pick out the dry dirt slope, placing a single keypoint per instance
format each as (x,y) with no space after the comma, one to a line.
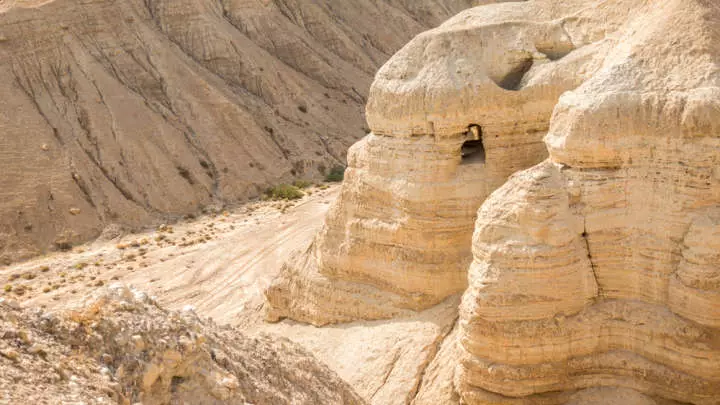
(131,111)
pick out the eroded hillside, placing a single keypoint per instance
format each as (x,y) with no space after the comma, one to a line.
(132,112)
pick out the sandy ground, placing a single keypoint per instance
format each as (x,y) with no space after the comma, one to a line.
(220,264)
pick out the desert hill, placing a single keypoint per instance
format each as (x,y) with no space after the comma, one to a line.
(136,112)
(120,347)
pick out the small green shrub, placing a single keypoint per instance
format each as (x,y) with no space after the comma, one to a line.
(337,174)
(284,192)
(301,184)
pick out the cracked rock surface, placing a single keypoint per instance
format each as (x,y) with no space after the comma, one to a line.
(599,267)
(453,114)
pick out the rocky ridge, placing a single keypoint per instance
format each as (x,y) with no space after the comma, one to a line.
(599,267)
(453,115)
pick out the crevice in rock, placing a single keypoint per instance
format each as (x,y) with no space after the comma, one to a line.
(388,372)
(276,141)
(586,239)
(27,89)
(286,11)
(326,144)
(434,349)
(84,188)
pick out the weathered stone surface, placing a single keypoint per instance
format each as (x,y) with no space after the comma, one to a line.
(398,238)
(385,361)
(134,112)
(594,274)
(599,267)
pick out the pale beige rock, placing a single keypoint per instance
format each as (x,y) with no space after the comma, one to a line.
(398,237)
(137,112)
(599,267)
(385,361)
(594,274)
(437,384)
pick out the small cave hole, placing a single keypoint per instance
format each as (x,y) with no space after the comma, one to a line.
(514,77)
(473,150)
(175,383)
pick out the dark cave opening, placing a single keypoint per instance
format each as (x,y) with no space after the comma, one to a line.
(473,150)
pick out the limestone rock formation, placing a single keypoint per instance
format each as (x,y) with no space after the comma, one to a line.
(133,112)
(453,114)
(594,274)
(600,267)
(119,347)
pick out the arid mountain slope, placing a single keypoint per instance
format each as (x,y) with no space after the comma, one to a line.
(134,111)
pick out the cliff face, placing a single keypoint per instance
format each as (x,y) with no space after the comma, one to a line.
(593,275)
(453,114)
(133,112)
(600,266)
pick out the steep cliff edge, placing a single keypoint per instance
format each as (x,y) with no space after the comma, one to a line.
(133,112)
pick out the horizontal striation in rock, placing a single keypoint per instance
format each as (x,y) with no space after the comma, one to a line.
(448,129)
(598,268)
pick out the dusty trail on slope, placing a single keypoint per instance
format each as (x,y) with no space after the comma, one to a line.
(218,264)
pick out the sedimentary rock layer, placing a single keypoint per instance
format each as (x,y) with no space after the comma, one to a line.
(452,114)
(593,274)
(133,112)
(600,267)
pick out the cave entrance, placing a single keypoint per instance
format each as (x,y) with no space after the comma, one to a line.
(473,150)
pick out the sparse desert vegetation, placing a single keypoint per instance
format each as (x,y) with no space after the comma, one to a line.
(51,280)
(336,174)
(284,192)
